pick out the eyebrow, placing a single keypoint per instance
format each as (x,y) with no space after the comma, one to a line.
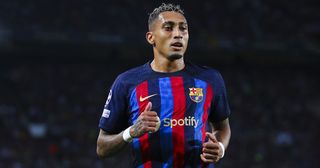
(173,23)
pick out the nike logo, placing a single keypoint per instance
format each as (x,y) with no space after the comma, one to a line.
(141,99)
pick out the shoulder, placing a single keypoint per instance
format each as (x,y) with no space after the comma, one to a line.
(209,75)
(204,72)
(133,75)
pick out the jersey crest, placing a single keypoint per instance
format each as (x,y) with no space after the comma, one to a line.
(196,94)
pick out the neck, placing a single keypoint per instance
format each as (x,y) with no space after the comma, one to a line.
(166,66)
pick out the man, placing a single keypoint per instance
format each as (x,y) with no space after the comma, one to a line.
(190,102)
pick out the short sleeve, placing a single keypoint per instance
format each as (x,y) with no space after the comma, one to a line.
(114,118)
(220,109)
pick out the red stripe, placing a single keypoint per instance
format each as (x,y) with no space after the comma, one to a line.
(209,95)
(208,98)
(142,90)
(178,113)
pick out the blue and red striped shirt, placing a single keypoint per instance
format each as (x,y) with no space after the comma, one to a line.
(186,101)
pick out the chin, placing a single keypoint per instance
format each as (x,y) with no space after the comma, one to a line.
(175,56)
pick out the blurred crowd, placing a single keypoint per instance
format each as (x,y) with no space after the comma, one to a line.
(49,110)
(49,116)
(229,24)
(276,117)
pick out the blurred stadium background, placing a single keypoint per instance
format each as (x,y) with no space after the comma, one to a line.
(59,58)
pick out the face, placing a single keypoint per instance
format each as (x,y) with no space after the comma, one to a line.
(169,35)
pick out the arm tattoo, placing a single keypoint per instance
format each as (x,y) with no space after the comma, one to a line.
(135,127)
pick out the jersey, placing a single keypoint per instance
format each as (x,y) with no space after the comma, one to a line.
(185,102)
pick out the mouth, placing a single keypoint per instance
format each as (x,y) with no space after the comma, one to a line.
(177,45)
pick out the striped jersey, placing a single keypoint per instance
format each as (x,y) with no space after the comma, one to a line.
(185,101)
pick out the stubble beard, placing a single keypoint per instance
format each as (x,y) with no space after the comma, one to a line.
(174,57)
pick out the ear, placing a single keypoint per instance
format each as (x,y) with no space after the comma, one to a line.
(150,38)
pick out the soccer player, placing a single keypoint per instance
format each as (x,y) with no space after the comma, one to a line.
(188,101)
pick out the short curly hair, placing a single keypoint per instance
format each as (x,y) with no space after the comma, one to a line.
(163,8)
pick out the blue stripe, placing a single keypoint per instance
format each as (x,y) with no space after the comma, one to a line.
(134,116)
(199,111)
(134,107)
(166,112)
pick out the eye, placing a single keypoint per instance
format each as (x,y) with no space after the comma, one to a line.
(183,28)
(167,28)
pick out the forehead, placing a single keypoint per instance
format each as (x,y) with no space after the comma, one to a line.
(170,16)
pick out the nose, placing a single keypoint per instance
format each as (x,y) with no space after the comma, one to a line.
(177,34)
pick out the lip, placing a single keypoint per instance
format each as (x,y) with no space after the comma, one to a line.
(176,46)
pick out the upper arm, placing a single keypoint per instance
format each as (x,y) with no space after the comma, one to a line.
(222,131)
(114,118)
(109,144)
(221,125)
(101,143)
(220,109)
(102,134)
(102,138)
